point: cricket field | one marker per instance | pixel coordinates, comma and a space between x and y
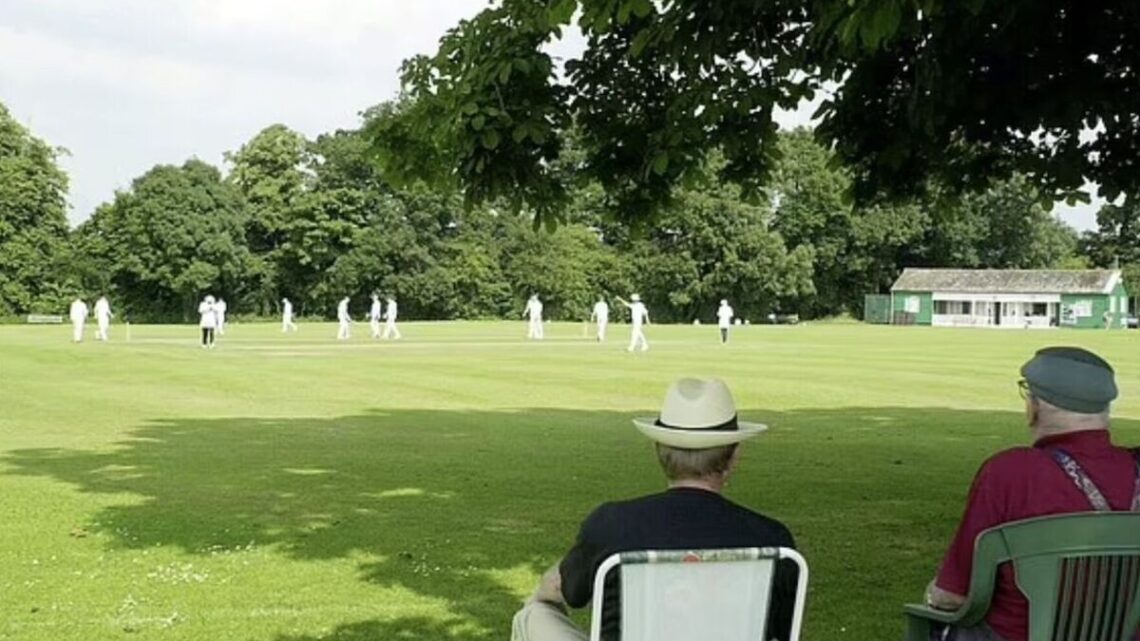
296, 488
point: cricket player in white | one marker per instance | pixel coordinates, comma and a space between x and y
639, 317
601, 316
208, 321
78, 315
533, 311
103, 316
374, 315
390, 313
724, 320
343, 332
287, 323
220, 311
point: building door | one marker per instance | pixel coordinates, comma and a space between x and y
997, 314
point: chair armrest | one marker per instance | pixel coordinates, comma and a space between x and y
920, 620
932, 614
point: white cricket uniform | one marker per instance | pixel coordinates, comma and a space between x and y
287, 317
343, 332
103, 318
601, 316
374, 318
534, 313
207, 322
220, 310
639, 316
390, 314
78, 315
724, 320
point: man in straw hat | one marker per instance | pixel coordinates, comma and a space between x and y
697, 438
1071, 467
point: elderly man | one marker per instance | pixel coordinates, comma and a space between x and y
697, 437
1071, 467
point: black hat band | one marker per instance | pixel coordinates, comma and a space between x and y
730, 425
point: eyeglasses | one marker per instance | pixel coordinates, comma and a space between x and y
1023, 389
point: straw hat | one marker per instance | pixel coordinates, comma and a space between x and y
698, 414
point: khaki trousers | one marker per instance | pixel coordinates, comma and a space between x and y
542, 621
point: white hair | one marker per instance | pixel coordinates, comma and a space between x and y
1055, 420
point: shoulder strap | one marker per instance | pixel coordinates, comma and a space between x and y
1074, 471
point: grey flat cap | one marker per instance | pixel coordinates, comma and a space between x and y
1071, 378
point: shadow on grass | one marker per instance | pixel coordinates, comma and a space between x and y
445, 503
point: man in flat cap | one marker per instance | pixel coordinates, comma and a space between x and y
697, 438
1072, 466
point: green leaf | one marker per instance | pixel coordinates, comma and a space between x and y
562, 11
661, 163
639, 42
477, 122
491, 138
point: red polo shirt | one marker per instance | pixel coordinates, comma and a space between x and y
1022, 483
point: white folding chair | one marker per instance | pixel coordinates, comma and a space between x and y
697, 595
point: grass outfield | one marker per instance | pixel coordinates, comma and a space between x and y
292, 488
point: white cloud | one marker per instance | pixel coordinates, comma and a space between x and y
126, 84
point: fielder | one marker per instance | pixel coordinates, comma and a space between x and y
533, 312
220, 310
208, 321
78, 315
374, 315
287, 323
343, 332
390, 330
724, 320
103, 316
639, 317
601, 316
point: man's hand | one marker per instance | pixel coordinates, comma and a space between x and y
940, 599
550, 588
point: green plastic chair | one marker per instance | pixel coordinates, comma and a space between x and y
1079, 572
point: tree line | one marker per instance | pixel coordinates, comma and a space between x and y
316, 220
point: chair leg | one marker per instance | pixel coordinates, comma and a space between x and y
917, 628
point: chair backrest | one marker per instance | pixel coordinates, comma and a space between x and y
683, 595
1079, 572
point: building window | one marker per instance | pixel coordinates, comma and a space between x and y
1040, 309
953, 307
912, 304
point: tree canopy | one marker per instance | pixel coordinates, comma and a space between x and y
315, 220
33, 220
917, 93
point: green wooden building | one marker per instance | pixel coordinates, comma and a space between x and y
1010, 298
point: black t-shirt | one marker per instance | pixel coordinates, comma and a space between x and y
680, 518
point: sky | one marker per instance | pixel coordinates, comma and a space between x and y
124, 85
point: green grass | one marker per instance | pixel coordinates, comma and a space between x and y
290, 488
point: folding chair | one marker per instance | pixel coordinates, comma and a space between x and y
697, 595
1079, 572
